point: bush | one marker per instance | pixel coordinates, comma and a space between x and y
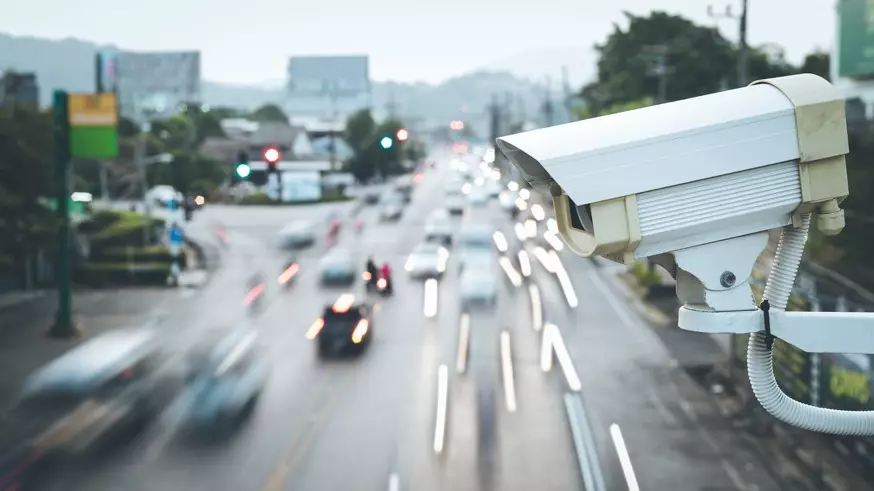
126, 230
98, 221
150, 254
257, 199
333, 196
113, 274
644, 276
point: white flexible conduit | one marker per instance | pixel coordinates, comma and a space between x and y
760, 363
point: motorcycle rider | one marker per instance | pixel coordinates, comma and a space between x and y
385, 272
371, 269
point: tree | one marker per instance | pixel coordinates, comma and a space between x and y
700, 60
359, 134
818, 63
26, 176
269, 113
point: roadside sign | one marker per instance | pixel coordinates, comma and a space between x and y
93, 121
177, 237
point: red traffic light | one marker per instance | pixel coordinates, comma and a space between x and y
456, 125
272, 155
403, 134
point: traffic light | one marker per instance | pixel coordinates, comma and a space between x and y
386, 142
272, 156
243, 170
403, 134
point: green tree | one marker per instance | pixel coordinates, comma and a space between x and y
26, 176
360, 134
269, 113
818, 63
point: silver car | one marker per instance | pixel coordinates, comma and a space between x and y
338, 268
428, 260
225, 379
297, 235
391, 207
478, 286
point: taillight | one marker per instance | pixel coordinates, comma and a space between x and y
360, 331
316, 328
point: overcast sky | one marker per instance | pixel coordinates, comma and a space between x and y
250, 41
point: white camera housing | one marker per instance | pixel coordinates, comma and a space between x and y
673, 176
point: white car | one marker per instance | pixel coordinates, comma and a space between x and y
439, 230
391, 207
427, 260
478, 197
297, 235
474, 241
455, 204
478, 286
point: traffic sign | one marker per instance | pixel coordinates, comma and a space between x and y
93, 121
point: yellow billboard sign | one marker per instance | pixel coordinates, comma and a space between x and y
92, 110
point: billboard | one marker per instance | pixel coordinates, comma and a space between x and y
856, 38
157, 82
328, 87
107, 70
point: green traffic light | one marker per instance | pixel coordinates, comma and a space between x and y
386, 142
243, 170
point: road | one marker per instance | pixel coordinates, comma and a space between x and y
409, 413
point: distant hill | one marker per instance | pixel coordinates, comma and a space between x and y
69, 64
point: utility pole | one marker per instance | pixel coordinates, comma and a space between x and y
743, 48
548, 109
332, 143
660, 69
566, 93
63, 326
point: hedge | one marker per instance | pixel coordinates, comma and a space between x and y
126, 230
264, 199
108, 274
149, 254
645, 277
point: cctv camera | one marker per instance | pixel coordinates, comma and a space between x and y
672, 176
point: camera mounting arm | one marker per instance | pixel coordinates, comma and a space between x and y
713, 281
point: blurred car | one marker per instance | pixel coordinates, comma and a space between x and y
391, 207
478, 197
439, 230
370, 197
83, 401
427, 260
453, 188
344, 327
297, 235
226, 376
455, 204
337, 268
474, 240
493, 188
478, 284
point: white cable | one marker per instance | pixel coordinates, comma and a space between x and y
760, 362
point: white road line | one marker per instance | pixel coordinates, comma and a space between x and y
511, 272
546, 349
524, 263
463, 343
507, 369
442, 403
430, 303
536, 307
394, 482
584, 444
564, 359
621, 311
624, 458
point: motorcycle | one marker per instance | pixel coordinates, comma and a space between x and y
384, 286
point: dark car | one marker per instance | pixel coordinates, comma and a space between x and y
344, 328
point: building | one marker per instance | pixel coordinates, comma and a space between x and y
327, 88
852, 57
19, 89
252, 137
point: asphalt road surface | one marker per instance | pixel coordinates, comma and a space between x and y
448, 402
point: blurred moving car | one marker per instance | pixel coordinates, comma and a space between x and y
370, 197
337, 268
428, 260
455, 204
84, 401
297, 235
391, 207
478, 197
438, 228
344, 327
493, 188
478, 284
474, 241
226, 376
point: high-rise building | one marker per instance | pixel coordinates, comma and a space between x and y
19, 89
327, 88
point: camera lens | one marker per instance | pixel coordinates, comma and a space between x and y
581, 216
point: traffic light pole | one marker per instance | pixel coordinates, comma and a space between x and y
63, 326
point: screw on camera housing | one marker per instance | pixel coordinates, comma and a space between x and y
727, 279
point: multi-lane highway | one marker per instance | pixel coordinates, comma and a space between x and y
444, 402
